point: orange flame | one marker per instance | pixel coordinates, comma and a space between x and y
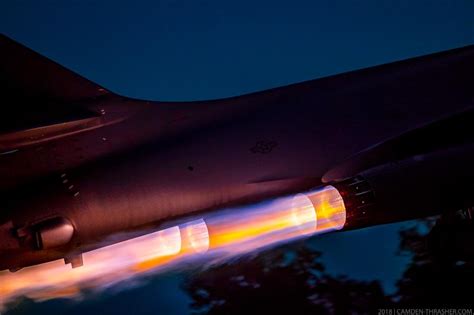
227, 232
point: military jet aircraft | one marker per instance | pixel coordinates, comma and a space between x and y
79, 163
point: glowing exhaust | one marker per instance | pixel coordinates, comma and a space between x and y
329, 208
218, 234
195, 236
271, 222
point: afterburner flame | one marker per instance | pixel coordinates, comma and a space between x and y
219, 235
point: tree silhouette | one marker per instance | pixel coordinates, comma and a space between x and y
442, 267
286, 280
292, 279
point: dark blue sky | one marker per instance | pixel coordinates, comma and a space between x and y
188, 50
207, 49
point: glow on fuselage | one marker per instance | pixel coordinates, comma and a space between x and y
223, 233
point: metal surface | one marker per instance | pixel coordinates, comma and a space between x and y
53, 233
146, 162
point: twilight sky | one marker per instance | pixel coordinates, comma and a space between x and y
189, 50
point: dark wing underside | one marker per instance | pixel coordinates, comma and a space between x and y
36, 91
29, 75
